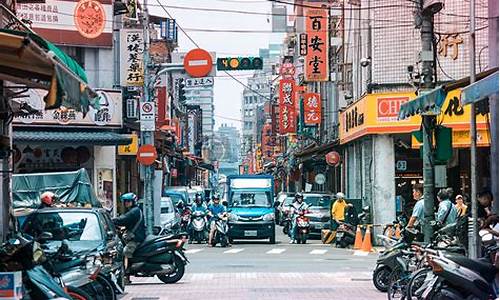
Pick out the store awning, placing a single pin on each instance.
(427, 103)
(102, 138)
(480, 89)
(317, 150)
(28, 59)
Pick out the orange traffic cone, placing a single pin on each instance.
(367, 241)
(358, 242)
(397, 235)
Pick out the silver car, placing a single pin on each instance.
(319, 211)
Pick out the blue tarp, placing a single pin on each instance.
(429, 102)
(480, 89)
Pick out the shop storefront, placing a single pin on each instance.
(381, 157)
(66, 140)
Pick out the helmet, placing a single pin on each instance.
(128, 197)
(340, 195)
(299, 195)
(198, 198)
(47, 198)
(180, 204)
(216, 197)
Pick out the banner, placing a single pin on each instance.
(316, 62)
(131, 57)
(288, 115)
(312, 109)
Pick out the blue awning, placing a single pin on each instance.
(102, 138)
(480, 89)
(427, 103)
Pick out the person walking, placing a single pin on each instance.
(447, 212)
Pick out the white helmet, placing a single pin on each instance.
(340, 195)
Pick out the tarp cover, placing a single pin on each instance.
(68, 186)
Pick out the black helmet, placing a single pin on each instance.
(216, 196)
(299, 195)
(180, 204)
(198, 198)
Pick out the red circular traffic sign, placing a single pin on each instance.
(332, 158)
(198, 63)
(146, 155)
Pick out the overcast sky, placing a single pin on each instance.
(227, 91)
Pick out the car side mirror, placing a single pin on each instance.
(45, 236)
(156, 230)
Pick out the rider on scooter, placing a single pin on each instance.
(198, 205)
(214, 209)
(133, 221)
(297, 206)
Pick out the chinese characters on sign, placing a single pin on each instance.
(46, 13)
(312, 109)
(195, 82)
(131, 57)
(316, 63)
(450, 41)
(287, 106)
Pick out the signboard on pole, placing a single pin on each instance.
(147, 116)
(198, 63)
(197, 82)
(287, 110)
(316, 62)
(131, 57)
(312, 109)
(147, 155)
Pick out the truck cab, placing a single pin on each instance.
(250, 202)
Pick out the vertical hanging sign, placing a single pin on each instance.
(131, 57)
(316, 62)
(288, 115)
(312, 109)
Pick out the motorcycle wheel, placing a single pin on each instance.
(107, 287)
(416, 281)
(176, 275)
(77, 293)
(224, 242)
(398, 281)
(380, 278)
(447, 293)
(285, 229)
(199, 237)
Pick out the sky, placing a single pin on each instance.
(227, 91)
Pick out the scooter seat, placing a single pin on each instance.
(480, 266)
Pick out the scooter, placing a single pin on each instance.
(198, 226)
(162, 256)
(185, 220)
(287, 224)
(346, 233)
(221, 228)
(302, 228)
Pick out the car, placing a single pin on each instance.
(169, 218)
(176, 196)
(86, 230)
(284, 200)
(319, 211)
(184, 190)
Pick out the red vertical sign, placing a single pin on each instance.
(316, 63)
(312, 109)
(288, 113)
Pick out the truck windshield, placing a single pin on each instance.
(251, 199)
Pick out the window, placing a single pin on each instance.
(250, 199)
(70, 226)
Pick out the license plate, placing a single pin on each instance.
(250, 232)
(318, 226)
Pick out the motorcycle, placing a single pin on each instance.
(287, 224)
(198, 226)
(22, 254)
(302, 227)
(162, 256)
(185, 220)
(346, 233)
(221, 228)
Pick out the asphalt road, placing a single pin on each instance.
(258, 270)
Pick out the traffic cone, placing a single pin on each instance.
(358, 242)
(397, 235)
(367, 241)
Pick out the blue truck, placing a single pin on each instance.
(250, 202)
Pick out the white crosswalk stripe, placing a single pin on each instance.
(276, 251)
(236, 250)
(318, 251)
(191, 251)
(360, 253)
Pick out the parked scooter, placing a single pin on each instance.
(21, 254)
(346, 232)
(199, 226)
(221, 228)
(303, 229)
(162, 256)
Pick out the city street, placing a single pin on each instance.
(253, 270)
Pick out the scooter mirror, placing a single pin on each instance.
(156, 230)
(45, 236)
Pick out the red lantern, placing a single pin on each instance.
(332, 158)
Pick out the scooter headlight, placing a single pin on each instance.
(233, 217)
(268, 217)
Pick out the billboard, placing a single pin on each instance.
(287, 109)
(316, 59)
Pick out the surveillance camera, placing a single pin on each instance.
(365, 61)
(410, 69)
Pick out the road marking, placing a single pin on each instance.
(237, 250)
(318, 251)
(202, 276)
(191, 251)
(276, 251)
(360, 253)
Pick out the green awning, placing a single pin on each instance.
(480, 89)
(31, 60)
(102, 138)
(427, 103)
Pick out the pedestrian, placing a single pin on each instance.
(460, 205)
(485, 201)
(417, 216)
(447, 212)
(338, 211)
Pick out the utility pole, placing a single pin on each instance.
(474, 243)
(426, 13)
(147, 137)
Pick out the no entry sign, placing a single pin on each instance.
(198, 63)
(147, 155)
